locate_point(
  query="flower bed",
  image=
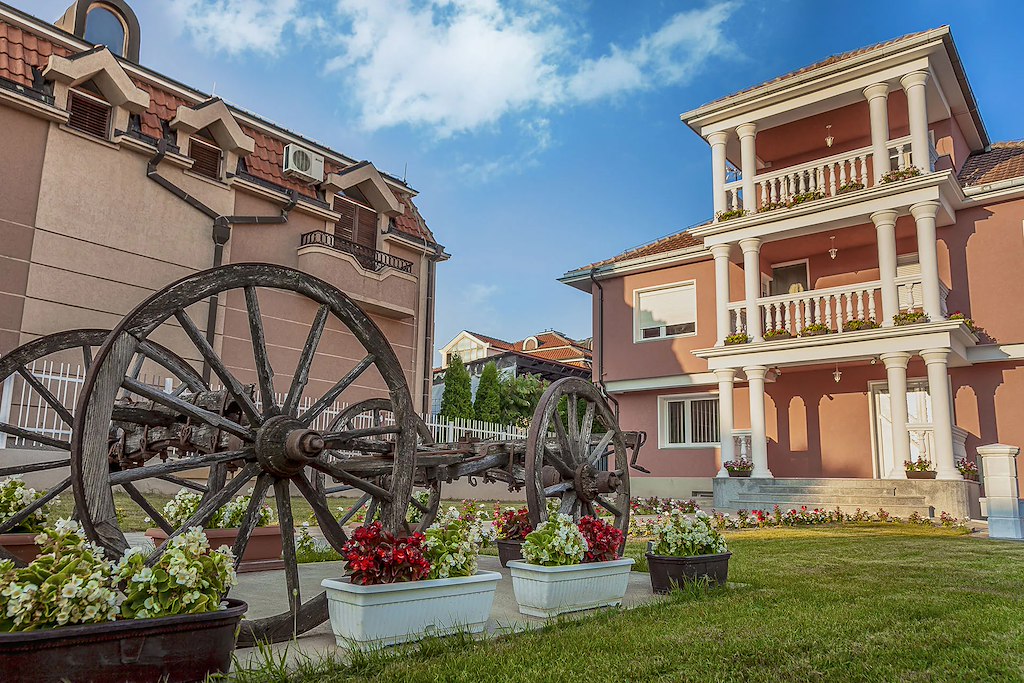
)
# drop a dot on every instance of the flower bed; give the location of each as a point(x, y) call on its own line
point(777, 517)
point(658, 506)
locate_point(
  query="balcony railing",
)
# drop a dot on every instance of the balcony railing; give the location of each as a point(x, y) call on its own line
point(830, 176)
point(368, 258)
point(832, 307)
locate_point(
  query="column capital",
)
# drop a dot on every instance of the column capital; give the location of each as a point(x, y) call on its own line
point(746, 130)
point(719, 137)
point(924, 210)
point(877, 90)
point(935, 356)
point(886, 217)
point(721, 250)
point(750, 244)
point(895, 359)
point(725, 374)
point(914, 78)
point(755, 372)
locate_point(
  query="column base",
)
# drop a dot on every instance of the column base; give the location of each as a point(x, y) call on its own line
point(762, 474)
point(949, 475)
point(896, 474)
point(722, 474)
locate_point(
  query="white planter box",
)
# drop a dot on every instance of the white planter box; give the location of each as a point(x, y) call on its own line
point(392, 613)
point(548, 591)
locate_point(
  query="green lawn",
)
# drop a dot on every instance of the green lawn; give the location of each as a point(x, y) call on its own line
point(852, 603)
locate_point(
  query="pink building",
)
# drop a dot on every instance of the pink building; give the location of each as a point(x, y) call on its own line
point(850, 196)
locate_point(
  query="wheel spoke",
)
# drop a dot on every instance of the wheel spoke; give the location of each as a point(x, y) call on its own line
point(335, 439)
point(572, 415)
point(586, 430)
point(31, 508)
point(569, 501)
point(327, 399)
point(252, 515)
point(330, 527)
point(558, 488)
point(233, 386)
point(177, 366)
point(147, 507)
point(556, 461)
point(564, 442)
point(86, 355)
point(184, 483)
point(34, 467)
point(301, 377)
point(601, 447)
point(361, 484)
point(162, 469)
point(63, 412)
point(264, 371)
point(291, 563)
point(351, 512)
point(608, 505)
point(34, 437)
point(189, 409)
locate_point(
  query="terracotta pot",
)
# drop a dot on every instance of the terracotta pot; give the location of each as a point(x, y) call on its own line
point(668, 571)
point(263, 553)
point(509, 550)
point(740, 474)
point(22, 546)
point(917, 474)
point(176, 649)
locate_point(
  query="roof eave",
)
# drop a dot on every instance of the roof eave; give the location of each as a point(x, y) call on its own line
point(579, 277)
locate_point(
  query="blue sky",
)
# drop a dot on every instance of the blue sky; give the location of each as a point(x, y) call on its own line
point(541, 135)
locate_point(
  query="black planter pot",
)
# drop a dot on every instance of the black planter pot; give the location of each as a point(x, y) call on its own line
point(745, 473)
point(509, 550)
point(175, 649)
point(666, 571)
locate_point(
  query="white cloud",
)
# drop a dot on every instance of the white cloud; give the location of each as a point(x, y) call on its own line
point(478, 294)
point(236, 26)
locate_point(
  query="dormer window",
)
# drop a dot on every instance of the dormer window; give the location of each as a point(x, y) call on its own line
point(89, 114)
point(104, 26)
point(206, 157)
point(110, 23)
point(530, 344)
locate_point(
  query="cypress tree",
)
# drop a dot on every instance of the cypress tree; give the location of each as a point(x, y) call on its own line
point(488, 395)
point(457, 399)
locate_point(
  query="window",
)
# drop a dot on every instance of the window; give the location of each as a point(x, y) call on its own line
point(104, 27)
point(206, 157)
point(689, 422)
point(666, 312)
point(789, 278)
point(88, 114)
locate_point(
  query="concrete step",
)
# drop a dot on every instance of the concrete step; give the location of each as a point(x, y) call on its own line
point(825, 490)
point(843, 483)
point(895, 510)
point(825, 499)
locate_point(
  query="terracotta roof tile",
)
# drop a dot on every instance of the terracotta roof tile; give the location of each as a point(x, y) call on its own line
point(562, 354)
point(679, 240)
point(21, 50)
point(1002, 161)
point(493, 341)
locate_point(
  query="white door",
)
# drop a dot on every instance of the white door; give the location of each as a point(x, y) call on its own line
point(919, 423)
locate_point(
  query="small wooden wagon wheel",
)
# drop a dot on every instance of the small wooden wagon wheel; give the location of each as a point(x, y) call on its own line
point(562, 460)
point(33, 360)
point(265, 443)
point(377, 412)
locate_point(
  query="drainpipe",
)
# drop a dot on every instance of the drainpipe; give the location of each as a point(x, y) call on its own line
point(428, 333)
point(221, 230)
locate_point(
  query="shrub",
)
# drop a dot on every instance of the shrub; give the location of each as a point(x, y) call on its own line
point(512, 524)
point(859, 324)
point(452, 544)
point(457, 399)
point(681, 536)
point(918, 465)
point(603, 540)
point(555, 543)
point(910, 317)
point(738, 338)
point(374, 556)
point(740, 465)
point(897, 175)
point(16, 496)
point(487, 406)
point(805, 197)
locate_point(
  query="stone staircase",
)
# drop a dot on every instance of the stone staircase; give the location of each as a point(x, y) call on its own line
point(898, 498)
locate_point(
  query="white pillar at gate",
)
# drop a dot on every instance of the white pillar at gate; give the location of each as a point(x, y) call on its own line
point(726, 379)
point(942, 413)
point(717, 142)
point(758, 430)
point(878, 106)
point(723, 323)
point(748, 164)
point(885, 227)
point(927, 255)
point(917, 111)
point(999, 469)
point(896, 374)
point(752, 285)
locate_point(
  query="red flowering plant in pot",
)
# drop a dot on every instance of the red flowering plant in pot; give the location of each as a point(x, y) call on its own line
point(374, 556)
point(604, 541)
point(511, 526)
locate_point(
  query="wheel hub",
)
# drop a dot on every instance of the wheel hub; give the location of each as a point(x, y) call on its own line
point(284, 446)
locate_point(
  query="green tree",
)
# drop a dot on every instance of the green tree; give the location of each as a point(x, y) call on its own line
point(519, 397)
point(487, 405)
point(457, 399)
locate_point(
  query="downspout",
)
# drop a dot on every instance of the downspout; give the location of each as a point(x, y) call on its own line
point(221, 231)
point(428, 341)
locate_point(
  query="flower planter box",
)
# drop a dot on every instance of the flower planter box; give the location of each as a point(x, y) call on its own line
point(917, 474)
point(739, 474)
point(668, 571)
point(509, 550)
point(814, 333)
point(968, 476)
point(549, 591)
point(775, 337)
point(391, 613)
point(174, 649)
point(22, 546)
point(263, 552)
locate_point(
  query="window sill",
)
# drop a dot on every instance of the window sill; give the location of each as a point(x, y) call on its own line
point(206, 179)
point(665, 338)
point(91, 138)
point(688, 446)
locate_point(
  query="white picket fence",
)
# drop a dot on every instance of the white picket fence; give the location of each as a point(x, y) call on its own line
point(21, 406)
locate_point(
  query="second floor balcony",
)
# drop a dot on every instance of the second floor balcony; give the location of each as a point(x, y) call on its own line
point(367, 257)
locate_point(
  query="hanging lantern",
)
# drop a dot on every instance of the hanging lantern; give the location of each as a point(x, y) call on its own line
point(833, 252)
point(828, 136)
point(837, 375)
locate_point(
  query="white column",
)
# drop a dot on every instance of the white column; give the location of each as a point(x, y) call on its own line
point(878, 99)
point(917, 110)
point(717, 142)
point(726, 378)
point(896, 374)
point(998, 464)
point(723, 319)
point(885, 229)
point(758, 431)
point(942, 413)
point(752, 285)
point(927, 254)
point(748, 164)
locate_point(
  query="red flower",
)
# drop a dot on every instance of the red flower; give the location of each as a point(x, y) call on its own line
point(374, 556)
point(603, 539)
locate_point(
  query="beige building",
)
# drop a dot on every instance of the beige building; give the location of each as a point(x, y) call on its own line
point(116, 181)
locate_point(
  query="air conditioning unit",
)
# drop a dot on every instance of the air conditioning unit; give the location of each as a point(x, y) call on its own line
point(303, 163)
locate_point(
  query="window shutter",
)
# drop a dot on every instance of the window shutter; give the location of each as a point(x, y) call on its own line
point(366, 234)
point(206, 158)
point(88, 115)
point(667, 312)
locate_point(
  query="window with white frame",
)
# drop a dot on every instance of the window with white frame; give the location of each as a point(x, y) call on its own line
point(665, 311)
point(689, 421)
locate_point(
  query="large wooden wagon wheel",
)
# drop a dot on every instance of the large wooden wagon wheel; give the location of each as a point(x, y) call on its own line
point(563, 457)
point(377, 412)
point(54, 402)
point(266, 444)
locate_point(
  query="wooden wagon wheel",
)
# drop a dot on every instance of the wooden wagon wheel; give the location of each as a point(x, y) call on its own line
point(267, 444)
point(562, 459)
point(50, 446)
point(377, 412)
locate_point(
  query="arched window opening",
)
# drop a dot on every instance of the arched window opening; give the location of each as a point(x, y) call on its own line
point(104, 26)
